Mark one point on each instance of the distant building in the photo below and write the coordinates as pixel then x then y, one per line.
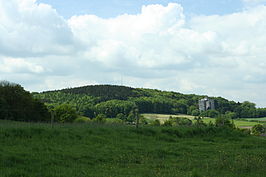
pixel 206 104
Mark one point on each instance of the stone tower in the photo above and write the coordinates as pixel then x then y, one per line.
pixel 206 104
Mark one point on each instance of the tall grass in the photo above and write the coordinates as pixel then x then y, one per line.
pixel 96 150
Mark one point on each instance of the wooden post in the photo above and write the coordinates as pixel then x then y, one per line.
pixel 52 118
pixel 136 112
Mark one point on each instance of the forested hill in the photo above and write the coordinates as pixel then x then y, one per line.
pixel 110 92
pixel 112 100
pixel 105 92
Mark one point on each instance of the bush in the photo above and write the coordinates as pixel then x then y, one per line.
pixel 258 129
pixel 155 123
pixel 209 113
pixel 168 123
pixel 82 120
pixel 64 113
pixel 114 121
pixel 121 116
pixel 195 112
pixel 222 121
pixel 100 118
pixel 143 120
pixel 176 121
pixel 199 122
pixel 230 115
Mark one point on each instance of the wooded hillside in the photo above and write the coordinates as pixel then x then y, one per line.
pixel 112 100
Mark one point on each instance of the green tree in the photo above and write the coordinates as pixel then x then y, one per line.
pixel 100 118
pixel 210 113
pixel 65 113
pixel 18 104
pixel 195 112
pixel 258 129
pixel 222 121
pixel 121 116
pixel 191 109
pixel 230 115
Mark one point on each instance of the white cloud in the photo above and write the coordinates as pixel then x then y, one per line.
pixel 17 65
pixel 253 3
pixel 159 48
pixel 31 29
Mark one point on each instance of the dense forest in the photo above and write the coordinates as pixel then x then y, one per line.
pixel 112 100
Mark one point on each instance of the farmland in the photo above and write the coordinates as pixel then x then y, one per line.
pixel 256 119
pixel 241 123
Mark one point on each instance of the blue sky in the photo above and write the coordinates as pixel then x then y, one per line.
pixel 207 47
pixel 112 8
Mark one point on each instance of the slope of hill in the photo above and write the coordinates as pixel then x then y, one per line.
pixel 111 100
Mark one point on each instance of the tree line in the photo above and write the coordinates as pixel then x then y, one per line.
pixel 112 100
pixel 19 105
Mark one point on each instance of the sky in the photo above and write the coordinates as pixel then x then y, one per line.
pixel 207 47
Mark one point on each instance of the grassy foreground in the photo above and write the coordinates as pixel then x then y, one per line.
pixel 93 150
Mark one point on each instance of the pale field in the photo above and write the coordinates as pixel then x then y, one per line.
pixel 238 123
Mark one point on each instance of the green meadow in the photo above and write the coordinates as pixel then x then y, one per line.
pixel 117 150
pixel 256 119
pixel 240 123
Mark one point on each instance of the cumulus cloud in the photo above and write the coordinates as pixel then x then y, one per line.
pixel 31 29
pixel 17 65
pixel 158 48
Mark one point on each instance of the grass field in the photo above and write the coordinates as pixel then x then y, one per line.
pixel 95 150
pixel 243 123
pixel 256 119
pixel 164 117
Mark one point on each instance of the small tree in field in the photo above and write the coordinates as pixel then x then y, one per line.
pixel 258 129
pixel 222 121
pixel 65 113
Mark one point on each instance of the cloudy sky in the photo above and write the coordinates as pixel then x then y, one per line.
pixel 210 47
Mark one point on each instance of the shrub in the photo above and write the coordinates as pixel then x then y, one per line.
pixel 222 121
pixel 114 121
pixel 176 121
pixel 258 129
pixel 168 123
pixel 100 118
pixel 143 120
pixel 121 116
pixel 65 113
pixel 209 113
pixel 199 122
pixel 82 120
pixel 195 112
pixel 155 123
pixel 231 115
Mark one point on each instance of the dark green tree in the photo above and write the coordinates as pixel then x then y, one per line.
pixel 19 105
